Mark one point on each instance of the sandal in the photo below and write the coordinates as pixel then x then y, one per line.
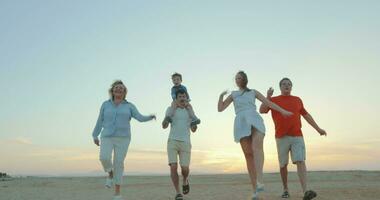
pixel 310 194
pixel 179 197
pixel 186 188
pixel 285 195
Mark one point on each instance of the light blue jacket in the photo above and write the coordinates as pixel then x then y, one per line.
pixel 114 120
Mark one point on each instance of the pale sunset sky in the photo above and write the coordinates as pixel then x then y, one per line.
pixel 58 59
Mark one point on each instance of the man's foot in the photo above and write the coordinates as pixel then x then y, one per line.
pixel 195 122
pixel 109 182
pixel 255 196
pixel 178 197
pixel 285 194
pixel 310 194
pixel 117 197
pixel 259 187
pixel 186 188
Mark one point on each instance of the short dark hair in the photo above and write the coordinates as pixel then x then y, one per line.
pixel 285 79
pixel 180 91
pixel 177 74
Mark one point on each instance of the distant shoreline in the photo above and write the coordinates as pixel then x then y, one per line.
pixel 166 174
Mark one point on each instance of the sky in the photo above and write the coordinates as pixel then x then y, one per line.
pixel 59 58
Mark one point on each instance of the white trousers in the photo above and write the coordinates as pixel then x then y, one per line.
pixel 119 146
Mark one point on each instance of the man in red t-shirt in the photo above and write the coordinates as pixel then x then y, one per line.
pixel 289 135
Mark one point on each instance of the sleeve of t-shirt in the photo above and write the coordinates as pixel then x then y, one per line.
pixel 302 110
pixel 168 110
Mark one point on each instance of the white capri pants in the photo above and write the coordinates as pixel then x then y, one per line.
pixel 119 145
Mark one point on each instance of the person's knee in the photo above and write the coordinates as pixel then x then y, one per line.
pixel 119 164
pixel 284 167
pixel 299 163
pixel 185 169
pixel 173 167
pixel 248 154
pixel 104 158
pixel 257 148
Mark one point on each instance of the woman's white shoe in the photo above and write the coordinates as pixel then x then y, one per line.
pixel 109 182
pixel 255 196
pixel 259 187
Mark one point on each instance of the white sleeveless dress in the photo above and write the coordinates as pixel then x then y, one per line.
pixel 246 114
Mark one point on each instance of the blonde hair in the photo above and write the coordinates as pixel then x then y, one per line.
pixel 244 81
pixel 117 82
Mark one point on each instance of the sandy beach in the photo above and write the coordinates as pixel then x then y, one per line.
pixel 343 185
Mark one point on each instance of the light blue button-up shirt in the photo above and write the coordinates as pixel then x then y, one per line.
pixel 114 120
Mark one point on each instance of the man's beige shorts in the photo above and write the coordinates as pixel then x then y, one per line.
pixel 296 146
pixel 179 149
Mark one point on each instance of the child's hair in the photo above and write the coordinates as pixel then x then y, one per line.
pixel 180 91
pixel 177 74
pixel 285 79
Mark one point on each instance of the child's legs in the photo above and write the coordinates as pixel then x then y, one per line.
pixel 173 107
pixel 191 112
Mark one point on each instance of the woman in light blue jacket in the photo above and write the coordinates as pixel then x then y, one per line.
pixel 113 125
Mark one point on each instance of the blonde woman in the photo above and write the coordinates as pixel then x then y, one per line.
pixel 113 125
pixel 249 129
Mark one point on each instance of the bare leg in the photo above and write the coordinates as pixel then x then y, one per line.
pixel 191 111
pixel 173 108
pixel 117 190
pixel 185 174
pixel 246 145
pixel 174 177
pixel 284 177
pixel 301 171
pixel 258 153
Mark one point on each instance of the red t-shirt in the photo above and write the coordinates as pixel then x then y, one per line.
pixel 290 126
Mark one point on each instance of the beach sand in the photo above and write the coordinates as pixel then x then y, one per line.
pixel 345 185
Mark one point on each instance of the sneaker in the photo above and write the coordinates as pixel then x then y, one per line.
pixel 285 195
pixel 109 182
pixel 118 197
pixel 260 187
pixel 178 197
pixel 255 196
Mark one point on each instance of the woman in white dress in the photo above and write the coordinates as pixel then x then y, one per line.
pixel 249 127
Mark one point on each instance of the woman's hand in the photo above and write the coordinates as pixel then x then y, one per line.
pixel 153 117
pixel 96 141
pixel 224 93
pixel 270 93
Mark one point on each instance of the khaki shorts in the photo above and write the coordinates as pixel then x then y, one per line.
pixel 296 146
pixel 179 149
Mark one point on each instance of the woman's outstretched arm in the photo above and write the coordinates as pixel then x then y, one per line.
pixel 272 105
pixel 222 105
